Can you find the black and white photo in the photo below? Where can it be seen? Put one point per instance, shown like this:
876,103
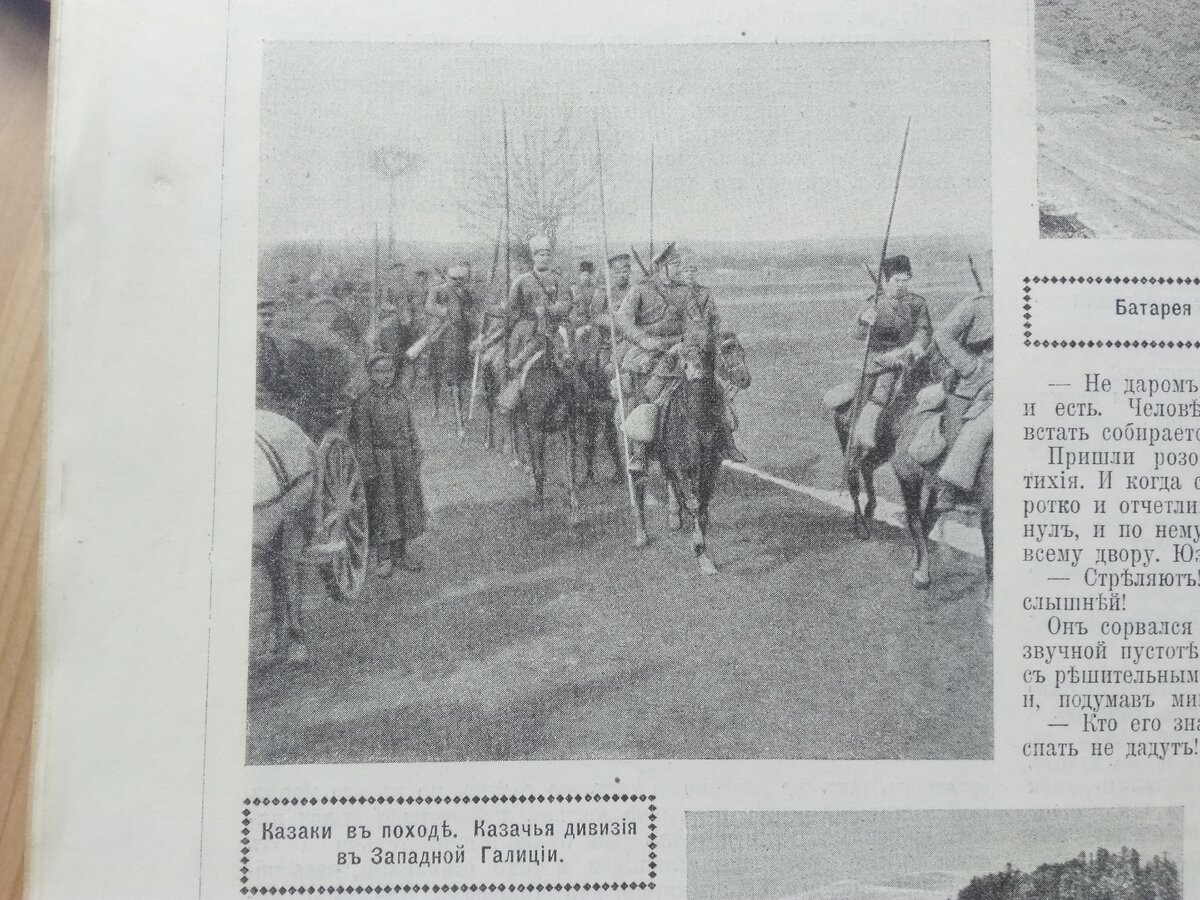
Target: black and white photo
623,402
960,854
1118,118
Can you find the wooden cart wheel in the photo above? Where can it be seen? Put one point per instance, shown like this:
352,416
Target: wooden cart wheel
342,516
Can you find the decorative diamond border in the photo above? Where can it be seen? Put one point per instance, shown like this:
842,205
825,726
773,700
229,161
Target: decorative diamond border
249,804
1027,311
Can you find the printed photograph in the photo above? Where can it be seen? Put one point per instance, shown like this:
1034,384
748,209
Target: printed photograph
622,402
1118,118
1012,854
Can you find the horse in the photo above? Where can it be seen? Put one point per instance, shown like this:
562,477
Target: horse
918,484
897,426
306,375
690,442
449,366
491,382
595,403
285,482
548,405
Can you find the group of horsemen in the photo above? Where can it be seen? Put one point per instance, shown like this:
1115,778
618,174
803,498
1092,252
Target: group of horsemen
666,318
661,322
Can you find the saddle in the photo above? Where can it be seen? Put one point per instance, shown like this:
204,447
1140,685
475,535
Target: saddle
931,398
507,401
929,441
641,424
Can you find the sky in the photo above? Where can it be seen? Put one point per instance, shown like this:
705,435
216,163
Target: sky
751,141
771,855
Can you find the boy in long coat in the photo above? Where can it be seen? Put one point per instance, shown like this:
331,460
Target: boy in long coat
389,454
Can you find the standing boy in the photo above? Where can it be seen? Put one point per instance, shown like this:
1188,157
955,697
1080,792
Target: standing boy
385,442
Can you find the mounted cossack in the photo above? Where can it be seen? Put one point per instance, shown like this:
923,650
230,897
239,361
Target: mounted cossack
665,322
964,338
454,313
897,328
538,311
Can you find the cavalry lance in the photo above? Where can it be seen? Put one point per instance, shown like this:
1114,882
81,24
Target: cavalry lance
651,254
975,274
612,324
856,409
375,325
434,334
506,330
641,265
482,328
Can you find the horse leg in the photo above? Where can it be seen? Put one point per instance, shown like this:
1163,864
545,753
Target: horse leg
272,560
514,439
572,496
674,512
536,438
841,425
916,506
525,445
985,528
460,428
868,477
639,511
435,387
489,434
293,539
862,526
614,448
588,423
699,539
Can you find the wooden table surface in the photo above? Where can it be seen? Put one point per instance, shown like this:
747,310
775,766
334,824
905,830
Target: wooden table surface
24,39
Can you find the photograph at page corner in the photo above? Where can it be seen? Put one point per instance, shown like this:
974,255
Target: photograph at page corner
1118,118
1114,853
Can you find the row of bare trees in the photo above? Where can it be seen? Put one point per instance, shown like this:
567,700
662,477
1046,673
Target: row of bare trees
551,179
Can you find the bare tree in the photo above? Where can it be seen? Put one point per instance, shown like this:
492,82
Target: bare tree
394,163
552,177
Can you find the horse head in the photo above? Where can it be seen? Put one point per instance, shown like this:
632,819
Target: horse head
731,360
919,372
562,350
692,363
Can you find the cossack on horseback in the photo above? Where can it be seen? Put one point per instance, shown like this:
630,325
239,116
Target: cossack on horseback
897,328
964,338
540,301
592,317
665,321
455,315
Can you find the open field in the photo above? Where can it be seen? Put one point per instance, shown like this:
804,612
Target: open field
525,638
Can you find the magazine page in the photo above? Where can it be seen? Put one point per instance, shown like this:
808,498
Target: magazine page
544,450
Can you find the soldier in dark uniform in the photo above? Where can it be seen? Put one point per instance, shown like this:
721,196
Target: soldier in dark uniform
539,301
389,453
583,293
272,389
650,321
452,304
397,333
703,325
896,325
599,314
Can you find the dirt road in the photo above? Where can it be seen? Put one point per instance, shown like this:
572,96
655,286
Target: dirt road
1122,164
526,638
